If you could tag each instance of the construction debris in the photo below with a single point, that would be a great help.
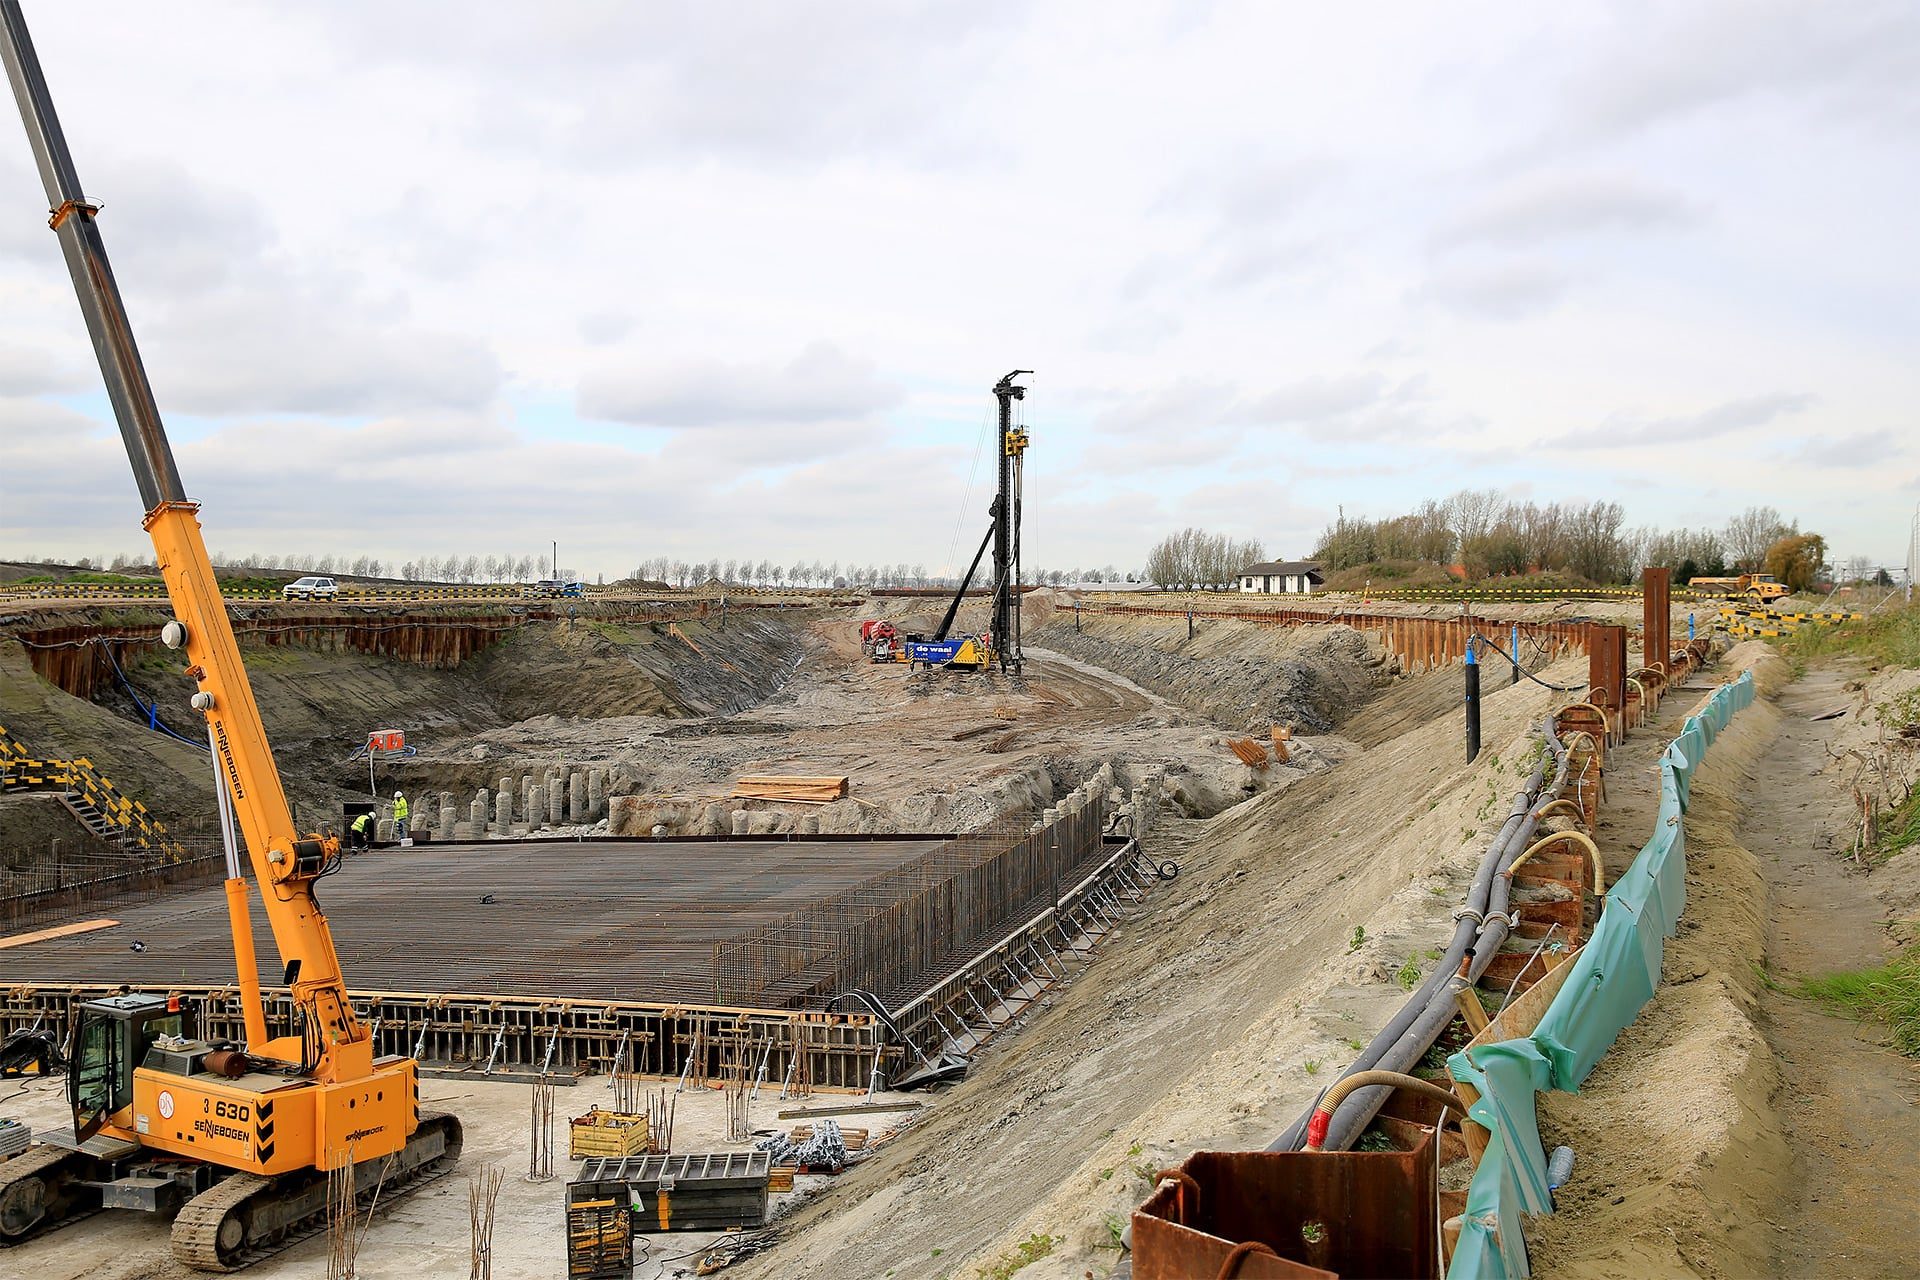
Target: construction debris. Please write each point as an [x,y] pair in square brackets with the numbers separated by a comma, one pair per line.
[1249,751]
[791,788]
[852,1139]
[819,1149]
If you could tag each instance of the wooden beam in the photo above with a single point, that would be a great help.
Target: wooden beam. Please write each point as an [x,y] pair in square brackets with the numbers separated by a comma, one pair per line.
[59,931]
[801,1113]
[1471,1009]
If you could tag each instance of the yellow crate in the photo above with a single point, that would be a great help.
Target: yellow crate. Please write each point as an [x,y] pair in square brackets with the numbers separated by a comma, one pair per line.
[607,1133]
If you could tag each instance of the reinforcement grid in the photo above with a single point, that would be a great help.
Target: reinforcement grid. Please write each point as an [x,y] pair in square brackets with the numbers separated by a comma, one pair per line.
[597,920]
[889,934]
[50,881]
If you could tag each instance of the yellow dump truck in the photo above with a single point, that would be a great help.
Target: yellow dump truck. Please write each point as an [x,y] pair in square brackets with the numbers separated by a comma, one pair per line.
[1757,587]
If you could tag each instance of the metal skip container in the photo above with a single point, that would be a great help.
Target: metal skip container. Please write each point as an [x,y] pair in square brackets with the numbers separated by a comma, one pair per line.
[1296,1215]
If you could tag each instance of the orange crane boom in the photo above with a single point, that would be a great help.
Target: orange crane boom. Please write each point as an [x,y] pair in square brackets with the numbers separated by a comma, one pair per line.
[233,1140]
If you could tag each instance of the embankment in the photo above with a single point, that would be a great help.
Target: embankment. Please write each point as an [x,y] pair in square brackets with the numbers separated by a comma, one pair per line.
[1211,1020]
[1236,674]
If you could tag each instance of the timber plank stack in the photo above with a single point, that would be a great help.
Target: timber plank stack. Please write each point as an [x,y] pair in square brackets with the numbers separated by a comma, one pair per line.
[791,788]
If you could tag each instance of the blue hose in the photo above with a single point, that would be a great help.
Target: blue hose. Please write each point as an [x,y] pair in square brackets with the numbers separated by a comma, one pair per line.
[152,709]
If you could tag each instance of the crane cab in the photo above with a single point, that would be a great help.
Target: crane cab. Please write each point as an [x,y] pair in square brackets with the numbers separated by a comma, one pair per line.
[114,1036]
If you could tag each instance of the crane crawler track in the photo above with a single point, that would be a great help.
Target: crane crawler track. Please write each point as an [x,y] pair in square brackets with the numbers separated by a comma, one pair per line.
[245,1218]
[34,1197]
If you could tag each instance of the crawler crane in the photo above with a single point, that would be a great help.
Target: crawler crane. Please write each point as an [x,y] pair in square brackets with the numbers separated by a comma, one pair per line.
[235,1142]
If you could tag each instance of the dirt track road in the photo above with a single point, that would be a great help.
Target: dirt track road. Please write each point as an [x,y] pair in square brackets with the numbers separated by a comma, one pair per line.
[1850,1107]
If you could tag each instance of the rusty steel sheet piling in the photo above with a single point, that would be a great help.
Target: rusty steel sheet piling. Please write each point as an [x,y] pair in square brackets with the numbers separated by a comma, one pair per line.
[1607,672]
[1421,644]
[1321,1214]
[80,659]
[1656,628]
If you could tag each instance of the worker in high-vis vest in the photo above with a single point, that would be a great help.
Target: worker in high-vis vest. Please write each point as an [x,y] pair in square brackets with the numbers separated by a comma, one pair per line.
[360,834]
[400,812]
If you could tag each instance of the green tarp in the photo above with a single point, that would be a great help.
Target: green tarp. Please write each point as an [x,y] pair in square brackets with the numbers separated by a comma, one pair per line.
[1611,980]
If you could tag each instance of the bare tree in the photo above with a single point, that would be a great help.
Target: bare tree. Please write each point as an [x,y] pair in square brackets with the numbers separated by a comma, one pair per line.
[1472,513]
[1750,533]
[1595,549]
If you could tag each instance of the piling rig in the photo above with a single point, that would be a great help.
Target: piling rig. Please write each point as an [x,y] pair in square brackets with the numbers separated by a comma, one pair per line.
[1001,642]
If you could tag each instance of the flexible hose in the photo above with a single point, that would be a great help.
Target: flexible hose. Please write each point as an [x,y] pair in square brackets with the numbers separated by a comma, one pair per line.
[1407,1034]
[1593,855]
[1323,1114]
[1485,924]
[150,710]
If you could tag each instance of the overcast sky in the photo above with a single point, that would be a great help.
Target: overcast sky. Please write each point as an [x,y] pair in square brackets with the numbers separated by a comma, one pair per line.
[735,279]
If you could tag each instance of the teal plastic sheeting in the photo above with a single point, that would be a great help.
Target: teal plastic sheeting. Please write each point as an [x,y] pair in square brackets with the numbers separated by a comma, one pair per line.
[1612,979]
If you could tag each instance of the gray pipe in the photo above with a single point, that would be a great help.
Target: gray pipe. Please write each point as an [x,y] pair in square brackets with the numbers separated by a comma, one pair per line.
[1418,1023]
[1357,1111]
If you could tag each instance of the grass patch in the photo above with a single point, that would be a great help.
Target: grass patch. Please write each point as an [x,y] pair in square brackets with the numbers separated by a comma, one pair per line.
[1888,994]
[266,586]
[1035,1247]
[1899,828]
[1890,637]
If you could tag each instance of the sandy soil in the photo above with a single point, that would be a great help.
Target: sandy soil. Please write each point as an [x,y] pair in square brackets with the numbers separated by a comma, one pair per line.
[1232,672]
[924,751]
[1213,1020]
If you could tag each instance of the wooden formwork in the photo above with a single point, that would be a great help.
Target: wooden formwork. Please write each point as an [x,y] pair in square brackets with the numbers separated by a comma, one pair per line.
[490,1035]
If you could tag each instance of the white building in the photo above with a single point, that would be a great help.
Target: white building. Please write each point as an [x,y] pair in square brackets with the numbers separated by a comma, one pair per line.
[1282,577]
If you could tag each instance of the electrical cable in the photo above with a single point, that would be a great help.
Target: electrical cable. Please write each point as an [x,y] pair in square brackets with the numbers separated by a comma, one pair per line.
[1544,684]
[152,710]
[973,471]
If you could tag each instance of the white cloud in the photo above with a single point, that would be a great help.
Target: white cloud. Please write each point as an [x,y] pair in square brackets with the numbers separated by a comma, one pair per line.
[1622,431]
[822,382]
[794,243]
[1542,207]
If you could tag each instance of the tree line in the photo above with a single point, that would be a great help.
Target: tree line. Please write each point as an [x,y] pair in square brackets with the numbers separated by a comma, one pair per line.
[1489,535]
[451,568]
[1194,558]
[671,571]
[680,573]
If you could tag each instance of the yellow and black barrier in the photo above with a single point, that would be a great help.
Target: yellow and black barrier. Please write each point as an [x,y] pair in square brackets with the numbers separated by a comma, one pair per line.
[20,770]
